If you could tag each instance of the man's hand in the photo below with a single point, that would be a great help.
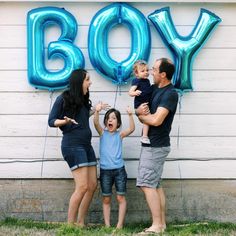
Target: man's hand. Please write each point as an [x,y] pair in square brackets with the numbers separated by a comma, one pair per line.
[143,109]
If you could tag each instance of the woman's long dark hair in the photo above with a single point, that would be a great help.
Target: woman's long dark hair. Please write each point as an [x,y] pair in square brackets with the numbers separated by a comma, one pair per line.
[74,97]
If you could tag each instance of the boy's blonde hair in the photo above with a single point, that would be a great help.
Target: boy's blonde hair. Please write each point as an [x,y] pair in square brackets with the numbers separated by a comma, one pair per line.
[137,64]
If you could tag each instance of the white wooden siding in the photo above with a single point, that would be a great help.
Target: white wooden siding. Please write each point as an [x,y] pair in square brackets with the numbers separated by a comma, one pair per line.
[203,136]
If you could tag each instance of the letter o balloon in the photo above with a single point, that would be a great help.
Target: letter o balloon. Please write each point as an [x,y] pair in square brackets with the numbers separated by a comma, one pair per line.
[101,24]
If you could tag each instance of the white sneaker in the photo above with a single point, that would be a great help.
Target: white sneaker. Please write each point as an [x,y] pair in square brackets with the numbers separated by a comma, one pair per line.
[145,140]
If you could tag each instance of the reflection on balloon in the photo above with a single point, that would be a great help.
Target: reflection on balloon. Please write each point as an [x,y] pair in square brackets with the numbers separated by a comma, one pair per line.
[102,23]
[184,49]
[37,20]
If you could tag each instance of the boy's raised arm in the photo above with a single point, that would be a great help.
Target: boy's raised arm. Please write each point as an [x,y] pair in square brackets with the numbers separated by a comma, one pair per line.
[97,125]
[131,128]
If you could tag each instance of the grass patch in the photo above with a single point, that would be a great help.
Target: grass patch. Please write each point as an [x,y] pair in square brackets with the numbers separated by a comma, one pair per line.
[28,224]
[11,226]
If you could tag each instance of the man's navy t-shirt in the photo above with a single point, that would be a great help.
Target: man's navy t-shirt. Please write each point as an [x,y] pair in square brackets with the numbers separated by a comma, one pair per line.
[166,97]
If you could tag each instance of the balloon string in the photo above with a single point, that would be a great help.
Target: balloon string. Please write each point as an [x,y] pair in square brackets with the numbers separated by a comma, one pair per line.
[42,163]
[180,177]
[178,140]
[180,108]
[118,90]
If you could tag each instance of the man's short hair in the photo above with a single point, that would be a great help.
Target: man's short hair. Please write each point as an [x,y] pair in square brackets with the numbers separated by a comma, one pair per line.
[167,66]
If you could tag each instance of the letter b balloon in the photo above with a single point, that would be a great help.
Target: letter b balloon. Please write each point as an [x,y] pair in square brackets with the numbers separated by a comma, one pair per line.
[38,75]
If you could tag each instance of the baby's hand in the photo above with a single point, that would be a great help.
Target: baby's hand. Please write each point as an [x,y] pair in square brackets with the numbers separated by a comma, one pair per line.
[129,110]
[137,92]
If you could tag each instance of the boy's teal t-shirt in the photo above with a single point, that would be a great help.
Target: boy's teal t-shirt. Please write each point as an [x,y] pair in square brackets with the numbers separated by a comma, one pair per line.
[111,150]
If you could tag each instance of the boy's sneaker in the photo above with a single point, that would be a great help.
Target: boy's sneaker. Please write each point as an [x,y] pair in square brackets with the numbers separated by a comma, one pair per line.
[145,140]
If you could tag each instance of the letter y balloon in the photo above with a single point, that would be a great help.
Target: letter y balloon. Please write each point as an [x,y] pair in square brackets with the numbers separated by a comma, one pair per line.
[184,49]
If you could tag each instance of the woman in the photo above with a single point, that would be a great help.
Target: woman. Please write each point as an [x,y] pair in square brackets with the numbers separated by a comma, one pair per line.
[70,113]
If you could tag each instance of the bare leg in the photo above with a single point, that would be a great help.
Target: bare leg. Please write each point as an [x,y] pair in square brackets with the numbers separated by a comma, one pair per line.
[145,130]
[161,193]
[122,211]
[106,210]
[92,185]
[154,204]
[81,185]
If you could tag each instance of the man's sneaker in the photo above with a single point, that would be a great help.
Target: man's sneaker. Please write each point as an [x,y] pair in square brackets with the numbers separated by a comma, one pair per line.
[145,140]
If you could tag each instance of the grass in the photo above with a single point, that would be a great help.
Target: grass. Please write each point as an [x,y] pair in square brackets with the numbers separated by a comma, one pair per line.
[13,227]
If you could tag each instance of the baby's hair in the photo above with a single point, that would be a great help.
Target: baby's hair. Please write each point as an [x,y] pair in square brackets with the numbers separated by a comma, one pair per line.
[137,64]
[117,114]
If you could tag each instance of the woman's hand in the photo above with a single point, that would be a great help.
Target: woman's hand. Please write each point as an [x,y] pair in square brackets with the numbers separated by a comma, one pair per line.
[70,120]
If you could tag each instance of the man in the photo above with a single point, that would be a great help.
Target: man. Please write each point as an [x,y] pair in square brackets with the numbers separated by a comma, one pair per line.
[162,105]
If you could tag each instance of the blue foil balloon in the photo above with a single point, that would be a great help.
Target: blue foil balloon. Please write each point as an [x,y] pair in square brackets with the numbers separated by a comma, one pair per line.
[37,21]
[101,24]
[184,49]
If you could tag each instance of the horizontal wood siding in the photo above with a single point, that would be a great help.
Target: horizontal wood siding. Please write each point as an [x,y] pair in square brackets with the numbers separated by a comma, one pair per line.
[203,135]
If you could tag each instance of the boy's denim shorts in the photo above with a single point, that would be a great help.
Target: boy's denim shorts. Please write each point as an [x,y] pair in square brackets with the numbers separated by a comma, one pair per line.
[109,177]
[80,156]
